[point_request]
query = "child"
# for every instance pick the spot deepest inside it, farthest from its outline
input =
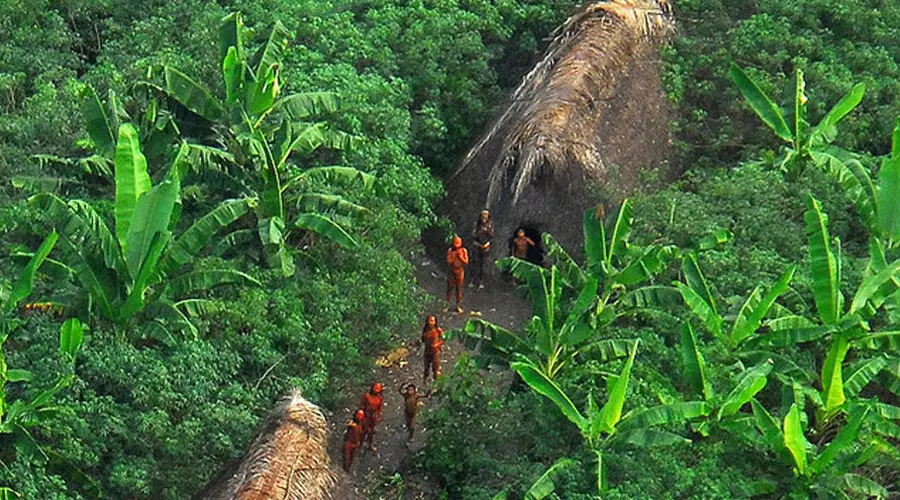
(412, 406)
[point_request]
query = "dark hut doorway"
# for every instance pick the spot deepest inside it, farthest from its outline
(535, 253)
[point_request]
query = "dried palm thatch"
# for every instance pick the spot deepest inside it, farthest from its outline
(287, 460)
(551, 124)
(594, 100)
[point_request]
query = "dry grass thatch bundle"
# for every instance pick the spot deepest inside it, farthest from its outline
(288, 459)
(554, 119)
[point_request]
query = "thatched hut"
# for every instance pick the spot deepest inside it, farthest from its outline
(591, 111)
(287, 460)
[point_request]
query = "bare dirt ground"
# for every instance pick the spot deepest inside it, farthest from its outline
(498, 303)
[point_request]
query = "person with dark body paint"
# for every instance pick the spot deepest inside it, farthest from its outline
(482, 235)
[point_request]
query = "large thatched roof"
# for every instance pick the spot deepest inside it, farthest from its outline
(286, 461)
(591, 105)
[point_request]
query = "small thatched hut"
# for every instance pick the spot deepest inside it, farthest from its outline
(286, 461)
(591, 111)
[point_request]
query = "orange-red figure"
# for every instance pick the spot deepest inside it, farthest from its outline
(371, 405)
(482, 235)
(353, 438)
(431, 339)
(521, 244)
(457, 260)
(412, 398)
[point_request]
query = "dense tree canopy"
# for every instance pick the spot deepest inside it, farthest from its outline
(197, 216)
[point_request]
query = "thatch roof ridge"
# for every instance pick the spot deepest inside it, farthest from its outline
(287, 459)
(551, 122)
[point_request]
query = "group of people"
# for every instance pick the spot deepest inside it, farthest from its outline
(361, 429)
(458, 257)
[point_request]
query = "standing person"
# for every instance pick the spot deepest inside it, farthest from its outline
(412, 398)
(521, 244)
(457, 260)
(353, 438)
(371, 405)
(431, 339)
(482, 235)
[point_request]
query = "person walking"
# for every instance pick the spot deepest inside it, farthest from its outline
(371, 405)
(412, 398)
(353, 438)
(457, 260)
(432, 341)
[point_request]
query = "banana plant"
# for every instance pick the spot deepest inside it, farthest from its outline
(611, 260)
(157, 131)
(258, 135)
(138, 268)
(605, 427)
(806, 145)
(822, 469)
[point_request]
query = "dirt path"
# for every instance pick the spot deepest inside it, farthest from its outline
(497, 303)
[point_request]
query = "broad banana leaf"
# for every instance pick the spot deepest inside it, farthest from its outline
(298, 107)
(652, 297)
(608, 349)
(651, 262)
(675, 413)
(750, 318)
(864, 487)
(871, 288)
(153, 213)
(25, 282)
(71, 336)
(856, 183)
(542, 385)
(649, 438)
(842, 441)
(132, 180)
(347, 176)
(192, 95)
(701, 308)
(231, 48)
(545, 485)
(768, 112)
(230, 35)
(889, 198)
(771, 432)
(611, 412)
(197, 281)
(794, 440)
(847, 104)
(570, 272)
(751, 382)
(695, 280)
(325, 227)
(832, 380)
(94, 277)
(97, 123)
(200, 233)
(147, 273)
(570, 335)
(825, 268)
(694, 364)
(542, 289)
(233, 73)
(166, 314)
(715, 239)
(862, 374)
(199, 307)
(38, 183)
(330, 204)
(272, 53)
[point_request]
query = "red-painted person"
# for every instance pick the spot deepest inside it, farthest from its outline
(371, 405)
(457, 260)
(353, 438)
(432, 341)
